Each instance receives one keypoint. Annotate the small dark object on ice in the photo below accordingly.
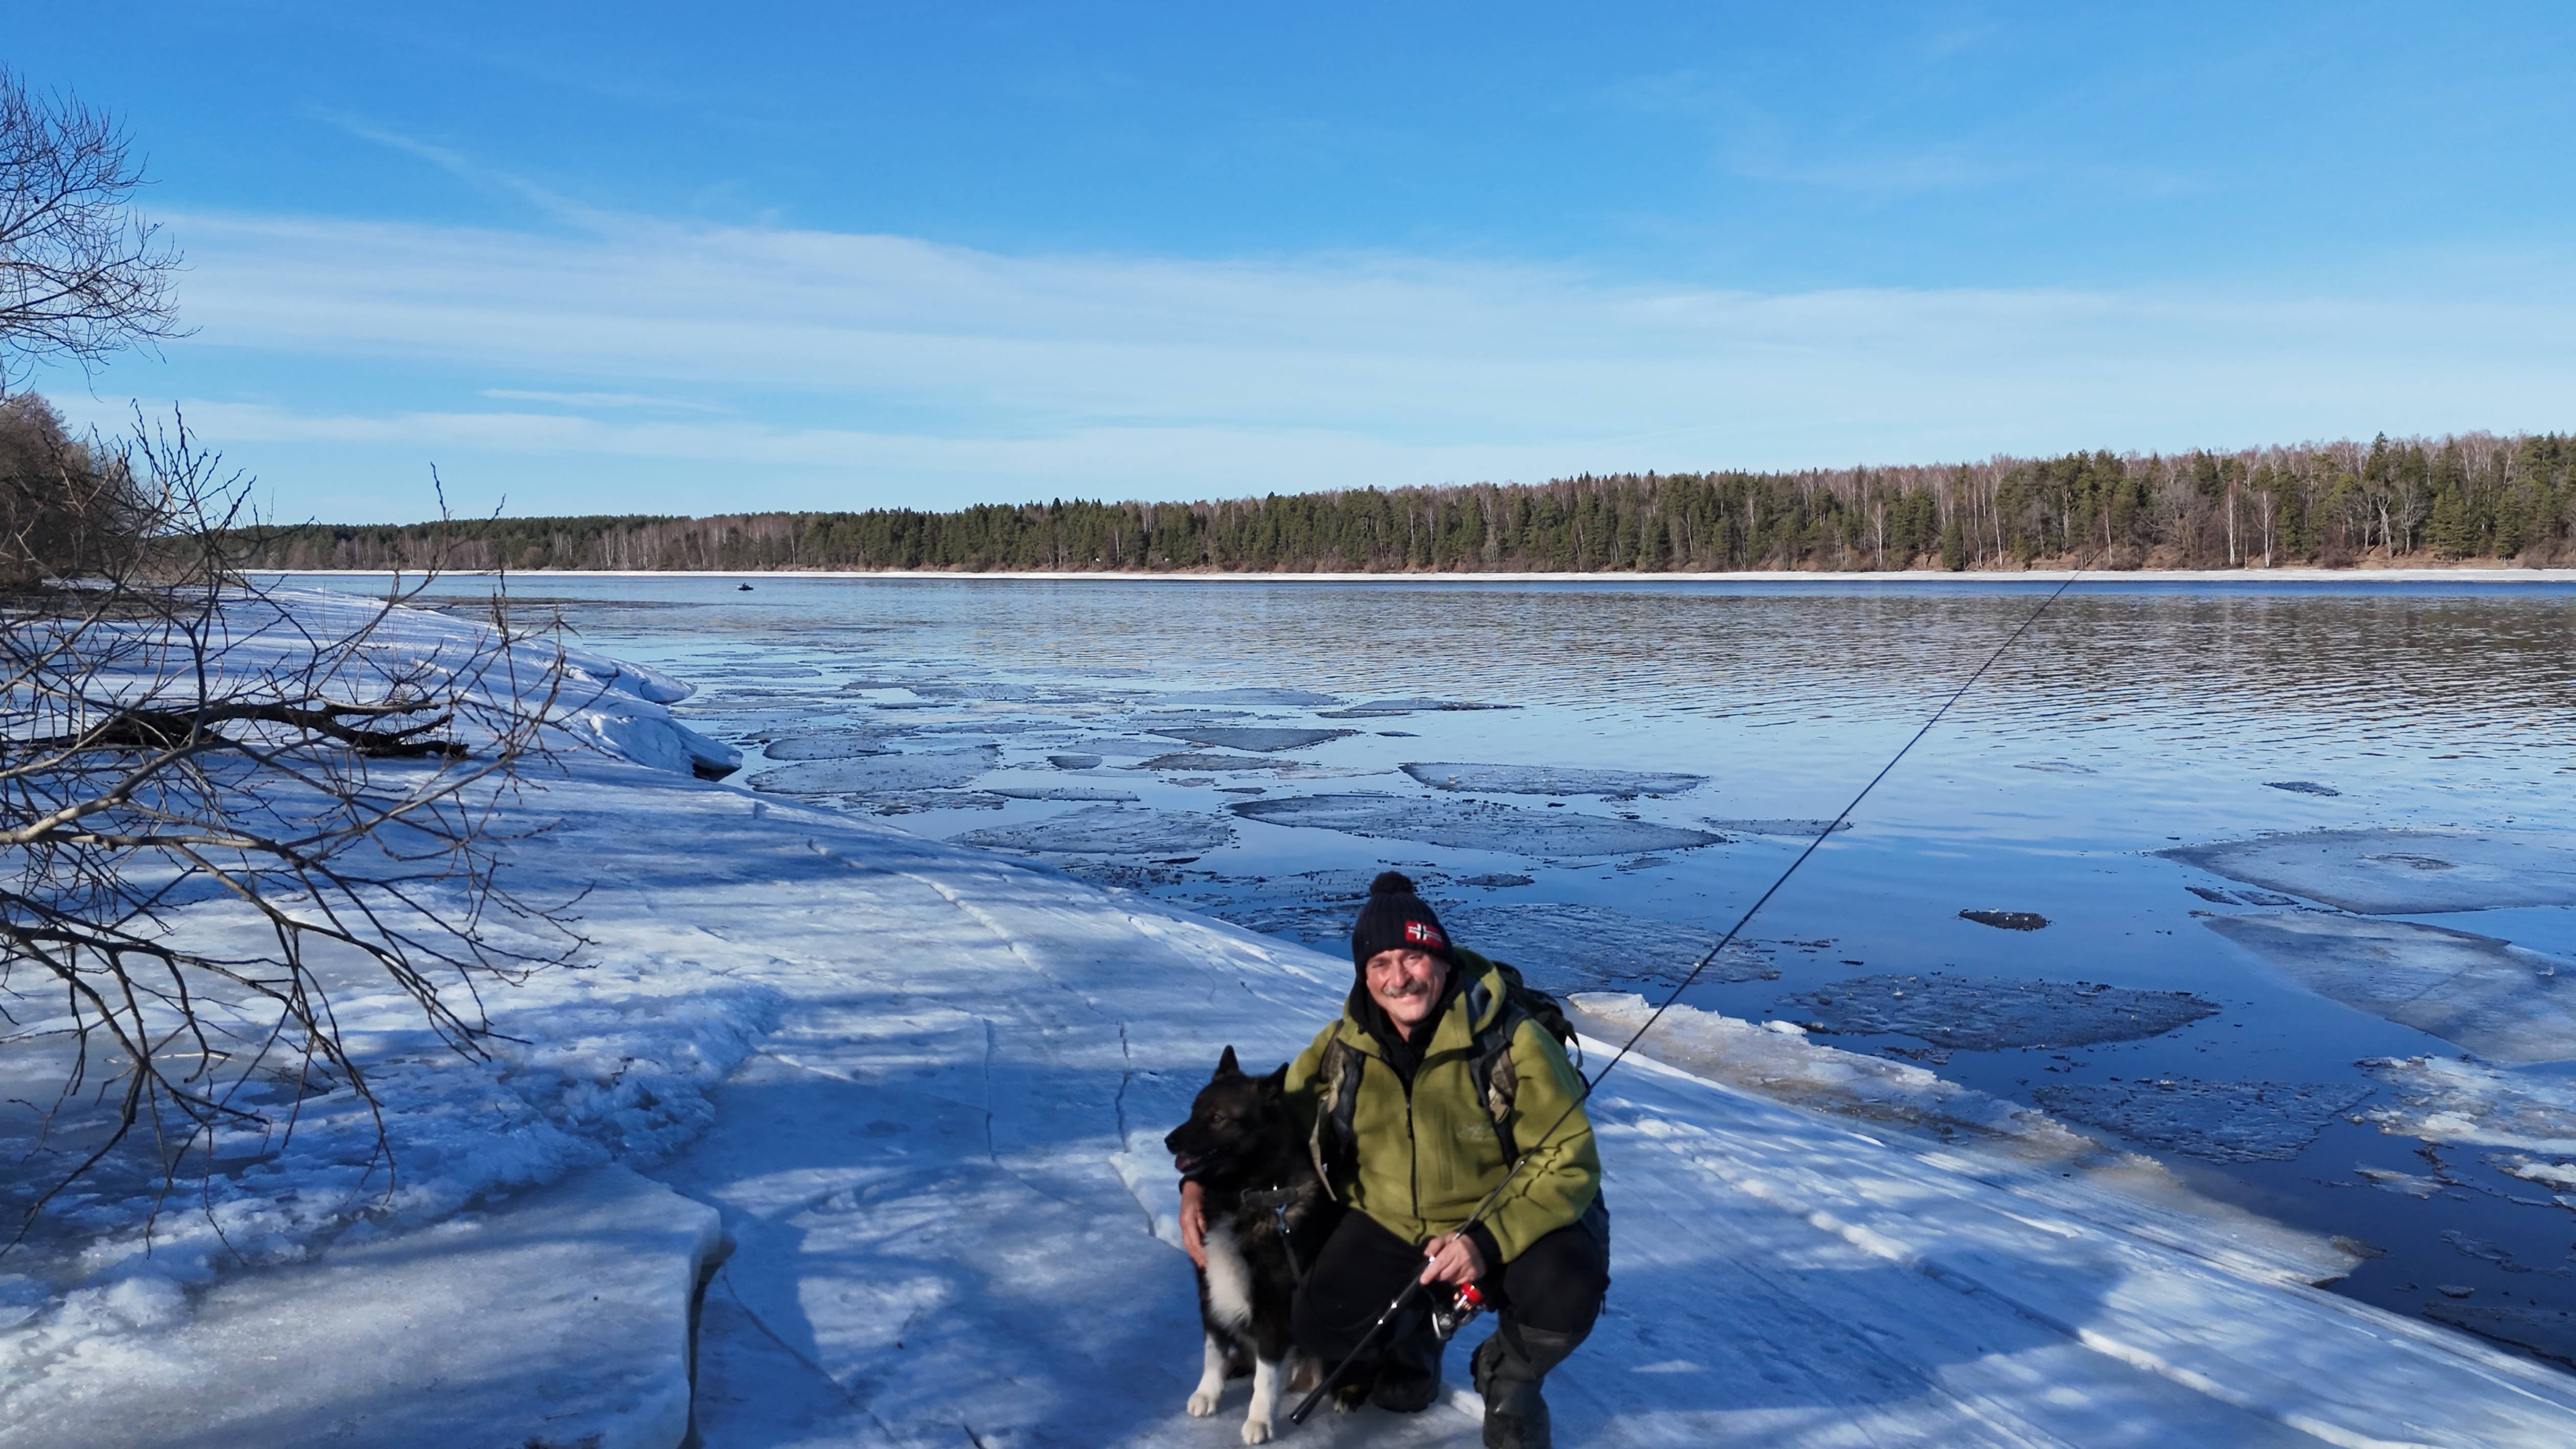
(2303, 787)
(2006, 920)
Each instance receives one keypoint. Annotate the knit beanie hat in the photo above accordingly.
(1396, 919)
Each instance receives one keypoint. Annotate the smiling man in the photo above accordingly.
(1418, 1100)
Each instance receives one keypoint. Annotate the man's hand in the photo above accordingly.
(1453, 1259)
(1194, 1222)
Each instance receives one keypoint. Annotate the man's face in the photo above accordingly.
(1405, 983)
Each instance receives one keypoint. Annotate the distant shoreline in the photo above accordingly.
(2301, 575)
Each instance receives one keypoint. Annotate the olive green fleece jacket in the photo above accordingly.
(1427, 1157)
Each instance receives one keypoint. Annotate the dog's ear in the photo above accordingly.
(1227, 1066)
(1276, 1084)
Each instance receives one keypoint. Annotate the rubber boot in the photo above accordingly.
(1508, 1369)
(1408, 1377)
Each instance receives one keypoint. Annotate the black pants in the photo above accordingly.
(1557, 1283)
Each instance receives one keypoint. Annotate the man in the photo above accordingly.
(1390, 1098)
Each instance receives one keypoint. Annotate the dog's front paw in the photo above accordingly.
(1256, 1431)
(1202, 1404)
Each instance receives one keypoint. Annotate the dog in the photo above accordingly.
(1242, 1148)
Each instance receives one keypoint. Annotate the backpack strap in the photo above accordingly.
(1334, 1144)
(1497, 1081)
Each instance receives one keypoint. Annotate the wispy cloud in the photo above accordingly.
(912, 370)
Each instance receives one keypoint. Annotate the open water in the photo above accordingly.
(1242, 748)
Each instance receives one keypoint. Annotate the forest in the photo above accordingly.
(2475, 496)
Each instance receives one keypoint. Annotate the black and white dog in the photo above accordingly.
(1267, 1216)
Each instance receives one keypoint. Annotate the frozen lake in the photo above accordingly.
(2273, 883)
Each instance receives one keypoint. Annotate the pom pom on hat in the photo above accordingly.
(1396, 919)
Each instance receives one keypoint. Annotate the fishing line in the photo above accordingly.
(1473, 1218)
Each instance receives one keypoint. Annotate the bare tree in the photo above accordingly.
(175, 738)
(82, 274)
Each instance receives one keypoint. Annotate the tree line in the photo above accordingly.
(2471, 496)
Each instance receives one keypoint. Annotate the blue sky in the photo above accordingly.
(657, 258)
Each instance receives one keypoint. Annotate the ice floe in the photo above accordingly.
(1195, 761)
(1388, 708)
(1065, 792)
(2215, 1121)
(2470, 1104)
(2303, 787)
(1254, 696)
(2399, 872)
(2490, 996)
(2547, 1331)
(1074, 762)
(880, 774)
(1559, 945)
(1471, 824)
(1262, 739)
(1989, 1013)
(1108, 830)
(2007, 920)
(824, 747)
(1549, 780)
(1810, 829)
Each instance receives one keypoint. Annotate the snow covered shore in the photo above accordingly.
(905, 1100)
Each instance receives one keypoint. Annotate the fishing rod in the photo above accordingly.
(1405, 1299)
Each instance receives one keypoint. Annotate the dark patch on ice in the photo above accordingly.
(1548, 780)
(2487, 995)
(1252, 696)
(1471, 825)
(1810, 829)
(2007, 920)
(2302, 787)
(1397, 735)
(824, 747)
(2206, 894)
(2213, 1121)
(1990, 1013)
(1108, 830)
(1074, 762)
(880, 774)
(1190, 761)
(2265, 898)
(1262, 739)
(1497, 882)
(2399, 872)
(1064, 792)
(1244, 789)
(2548, 1332)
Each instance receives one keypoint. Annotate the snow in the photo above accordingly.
(2472, 1104)
(2399, 872)
(1471, 824)
(1989, 1013)
(2490, 996)
(1550, 780)
(555, 1316)
(923, 1090)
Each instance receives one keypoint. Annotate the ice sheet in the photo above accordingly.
(1108, 830)
(2216, 1121)
(2490, 996)
(1989, 1013)
(1471, 824)
(558, 1317)
(1251, 696)
(1549, 780)
(1065, 792)
(880, 774)
(2399, 872)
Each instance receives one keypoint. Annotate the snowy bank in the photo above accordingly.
(921, 1089)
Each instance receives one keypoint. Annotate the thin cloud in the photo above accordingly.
(600, 400)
